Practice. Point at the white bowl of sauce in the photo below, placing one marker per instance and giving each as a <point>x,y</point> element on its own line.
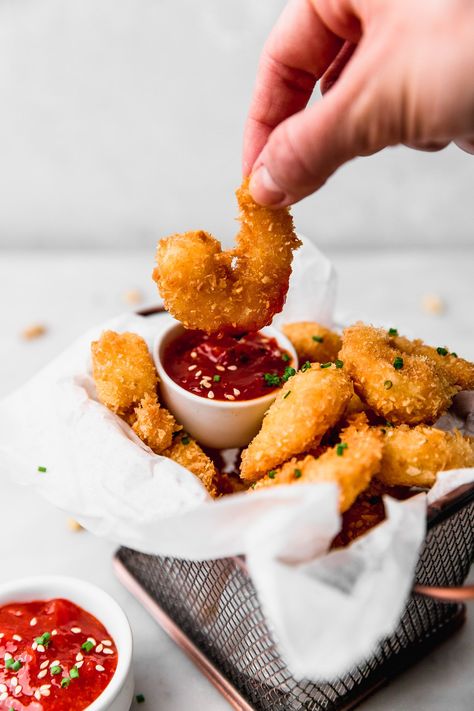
<point>65,645</point>
<point>219,387</point>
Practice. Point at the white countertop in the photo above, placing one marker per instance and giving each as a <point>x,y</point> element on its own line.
<point>69,292</point>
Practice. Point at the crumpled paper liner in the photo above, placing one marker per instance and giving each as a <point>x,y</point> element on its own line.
<point>327,609</point>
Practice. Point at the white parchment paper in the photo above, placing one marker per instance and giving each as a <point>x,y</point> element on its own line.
<point>327,609</point>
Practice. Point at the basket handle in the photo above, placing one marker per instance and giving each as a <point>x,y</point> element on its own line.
<point>462,594</point>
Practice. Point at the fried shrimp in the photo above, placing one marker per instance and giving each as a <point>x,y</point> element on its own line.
<point>123,371</point>
<point>308,405</point>
<point>241,289</point>
<point>154,424</point>
<point>186,451</point>
<point>399,386</point>
<point>312,341</point>
<point>458,372</point>
<point>412,457</point>
<point>351,463</point>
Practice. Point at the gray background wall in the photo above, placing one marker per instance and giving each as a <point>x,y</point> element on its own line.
<point>121,121</point>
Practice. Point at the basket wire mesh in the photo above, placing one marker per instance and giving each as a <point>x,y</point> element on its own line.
<point>215,605</point>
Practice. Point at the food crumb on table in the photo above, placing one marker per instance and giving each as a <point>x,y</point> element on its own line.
<point>35,330</point>
<point>74,525</point>
<point>433,304</point>
<point>132,296</point>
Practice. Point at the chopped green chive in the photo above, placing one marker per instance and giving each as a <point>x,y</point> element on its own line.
<point>318,339</point>
<point>271,379</point>
<point>398,363</point>
<point>289,372</point>
<point>216,378</point>
<point>340,449</point>
<point>74,672</point>
<point>325,365</point>
<point>140,698</point>
<point>442,351</point>
<point>393,332</point>
<point>87,646</point>
<point>65,681</point>
<point>9,663</point>
<point>56,670</point>
<point>286,394</point>
<point>272,473</point>
<point>383,430</point>
<point>16,666</point>
<point>388,424</point>
<point>306,366</point>
<point>186,439</point>
<point>298,473</point>
<point>387,384</point>
<point>285,357</point>
<point>44,639</point>
<point>338,363</point>
<point>454,354</point>
<point>42,469</point>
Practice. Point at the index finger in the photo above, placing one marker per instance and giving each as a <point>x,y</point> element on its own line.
<point>296,54</point>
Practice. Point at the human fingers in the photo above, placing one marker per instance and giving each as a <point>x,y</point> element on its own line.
<point>297,52</point>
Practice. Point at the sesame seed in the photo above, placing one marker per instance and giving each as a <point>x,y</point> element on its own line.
<point>236,391</point>
<point>45,687</point>
<point>79,664</point>
<point>38,695</point>
<point>16,637</point>
<point>231,367</point>
<point>13,682</point>
<point>42,674</point>
<point>56,663</point>
<point>91,639</point>
<point>198,374</point>
<point>106,642</point>
<point>229,397</point>
<point>76,630</point>
<point>205,384</point>
<point>34,645</point>
<point>210,395</point>
<point>18,689</point>
<point>54,633</point>
<point>192,367</point>
<point>43,665</point>
<point>3,688</point>
<point>2,635</point>
<point>99,668</point>
<point>220,367</point>
<point>194,354</point>
<point>79,657</point>
<point>33,621</point>
<point>45,692</point>
<point>40,648</point>
<point>108,651</point>
<point>3,696</point>
<point>99,648</point>
<point>7,655</point>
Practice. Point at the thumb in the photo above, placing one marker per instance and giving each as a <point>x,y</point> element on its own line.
<point>306,149</point>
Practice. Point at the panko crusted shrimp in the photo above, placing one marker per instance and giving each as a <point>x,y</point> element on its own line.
<point>413,456</point>
<point>313,342</point>
<point>351,464</point>
<point>399,386</point>
<point>240,289</point>
<point>154,424</point>
<point>458,372</point>
<point>188,453</point>
<point>123,371</point>
<point>308,405</point>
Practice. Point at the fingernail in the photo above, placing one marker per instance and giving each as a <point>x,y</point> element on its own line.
<point>263,188</point>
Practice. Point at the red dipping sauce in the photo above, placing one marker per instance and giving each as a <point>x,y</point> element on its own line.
<point>227,367</point>
<point>54,656</point>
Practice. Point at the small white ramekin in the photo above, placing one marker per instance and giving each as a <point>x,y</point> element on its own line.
<point>118,695</point>
<point>219,424</point>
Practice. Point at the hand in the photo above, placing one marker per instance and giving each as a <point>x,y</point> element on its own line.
<point>391,71</point>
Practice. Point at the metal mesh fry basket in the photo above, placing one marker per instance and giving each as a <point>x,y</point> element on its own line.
<point>211,609</point>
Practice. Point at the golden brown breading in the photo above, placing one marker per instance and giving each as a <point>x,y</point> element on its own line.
<point>401,387</point>
<point>413,456</point>
<point>351,463</point>
<point>123,371</point>
<point>458,371</point>
<point>308,405</point>
<point>312,341</point>
<point>240,289</point>
<point>154,424</point>
<point>188,453</point>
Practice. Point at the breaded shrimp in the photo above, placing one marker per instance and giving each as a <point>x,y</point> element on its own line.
<point>351,463</point>
<point>123,371</point>
<point>312,341</point>
<point>413,456</point>
<point>238,290</point>
<point>186,451</point>
<point>308,405</point>
<point>458,372</point>
<point>399,386</point>
<point>154,424</point>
